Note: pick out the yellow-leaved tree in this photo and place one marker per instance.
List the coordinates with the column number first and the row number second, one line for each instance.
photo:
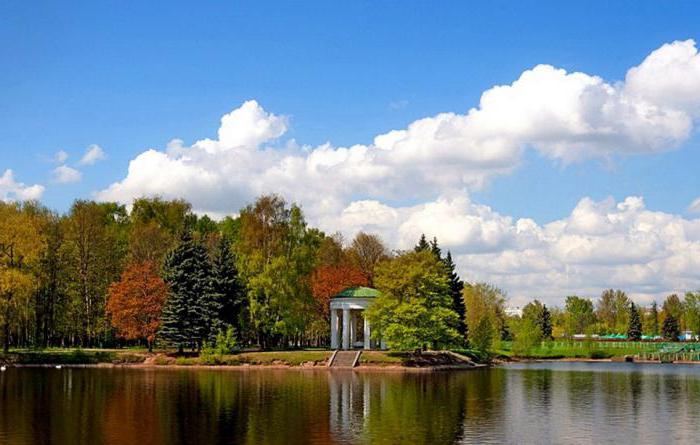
column 21, row 246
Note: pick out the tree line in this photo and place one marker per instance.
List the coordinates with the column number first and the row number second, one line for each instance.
column 102, row 275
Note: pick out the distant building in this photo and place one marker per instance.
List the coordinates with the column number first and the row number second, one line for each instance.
column 514, row 311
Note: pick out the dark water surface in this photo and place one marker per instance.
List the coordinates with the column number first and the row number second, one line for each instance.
column 530, row 403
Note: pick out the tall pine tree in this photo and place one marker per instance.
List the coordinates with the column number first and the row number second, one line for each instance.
column 422, row 244
column 191, row 307
column 228, row 288
column 456, row 288
column 634, row 328
column 544, row 321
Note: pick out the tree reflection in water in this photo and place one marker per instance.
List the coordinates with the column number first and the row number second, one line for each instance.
column 560, row 403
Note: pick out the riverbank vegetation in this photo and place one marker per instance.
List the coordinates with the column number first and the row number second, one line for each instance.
column 159, row 275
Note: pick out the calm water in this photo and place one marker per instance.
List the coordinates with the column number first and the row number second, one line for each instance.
column 533, row 403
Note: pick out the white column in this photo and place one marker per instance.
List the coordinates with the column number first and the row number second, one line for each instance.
column 353, row 328
column 367, row 333
column 334, row 329
column 346, row 328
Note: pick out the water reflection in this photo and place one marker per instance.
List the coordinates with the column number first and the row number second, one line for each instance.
column 539, row 403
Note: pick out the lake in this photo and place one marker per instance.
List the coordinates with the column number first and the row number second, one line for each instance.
column 522, row 403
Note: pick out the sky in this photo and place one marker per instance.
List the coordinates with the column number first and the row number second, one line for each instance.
column 552, row 148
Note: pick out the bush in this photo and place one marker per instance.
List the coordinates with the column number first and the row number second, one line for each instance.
column 598, row 354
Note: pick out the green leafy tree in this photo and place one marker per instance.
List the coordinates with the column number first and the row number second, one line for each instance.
column 673, row 306
column 414, row 309
column 634, row 329
column 484, row 300
column 528, row 335
column 94, row 247
column 613, row 310
column 191, row 307
column 653, row 320
column 691, row 312
column 276, row 253
column 671, row 329
column 481, row 336
column 539, row 315
column 580, row 316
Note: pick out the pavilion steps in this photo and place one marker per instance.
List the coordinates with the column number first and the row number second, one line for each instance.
column 345, row 359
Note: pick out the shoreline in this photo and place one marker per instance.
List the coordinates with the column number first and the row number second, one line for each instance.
column 246, row 367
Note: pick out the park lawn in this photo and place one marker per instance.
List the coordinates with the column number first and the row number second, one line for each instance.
column 55, row 356
column 269, row 358
column 579, row 349
column 381, row 358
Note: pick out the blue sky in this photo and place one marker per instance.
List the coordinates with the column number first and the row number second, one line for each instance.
column 129, row 76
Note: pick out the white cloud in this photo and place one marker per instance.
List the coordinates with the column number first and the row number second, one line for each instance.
column 60, row 157
column 694, row 206
column 93, row 154
column 11, row 190
column 437, row 160
column 64, row 174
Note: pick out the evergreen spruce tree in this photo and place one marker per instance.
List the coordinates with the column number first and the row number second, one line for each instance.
column 422, row 244
column 435, row 249
column 227, row 286
column 456, row 288
column 190, row 308
column 670, row 330
column 544, row 322
column 634, row 328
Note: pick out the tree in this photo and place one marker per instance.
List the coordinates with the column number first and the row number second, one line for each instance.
column 366, row 252
column 653, row 320
column 691, row 312
column 423, row 244
column 579, row 313
column 276, row 254
column 613, row 310
column 456, row 290
column 634, row 330
column 414, row 308
column 190, row 307
column 435, row 248
column 94, row 246
column 544, row 322
column 327, row 281
column 482, row 300
column 135, row 302
column 671, row 329
column 539, row 315
column 527, row 336
column 20, row 248
column 481, row 336
column 673, row 306
column 229, row 290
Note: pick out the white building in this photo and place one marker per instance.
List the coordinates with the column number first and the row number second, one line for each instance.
column 349, row 328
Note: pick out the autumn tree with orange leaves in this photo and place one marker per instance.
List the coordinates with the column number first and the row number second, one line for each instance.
column 327, row 281
column 135, row 302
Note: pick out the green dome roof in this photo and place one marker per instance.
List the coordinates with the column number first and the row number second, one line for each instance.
column 358, row 292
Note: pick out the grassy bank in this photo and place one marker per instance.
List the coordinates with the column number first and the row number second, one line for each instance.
column 578, row 349
column 72, row 357
column 308, row 358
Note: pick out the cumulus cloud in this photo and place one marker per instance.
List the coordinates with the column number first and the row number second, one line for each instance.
column 93, row 154
column 64, row 174
column 12, row 190
column 434, row 162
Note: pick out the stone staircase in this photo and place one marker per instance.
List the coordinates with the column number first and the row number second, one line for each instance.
column 344, row 359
